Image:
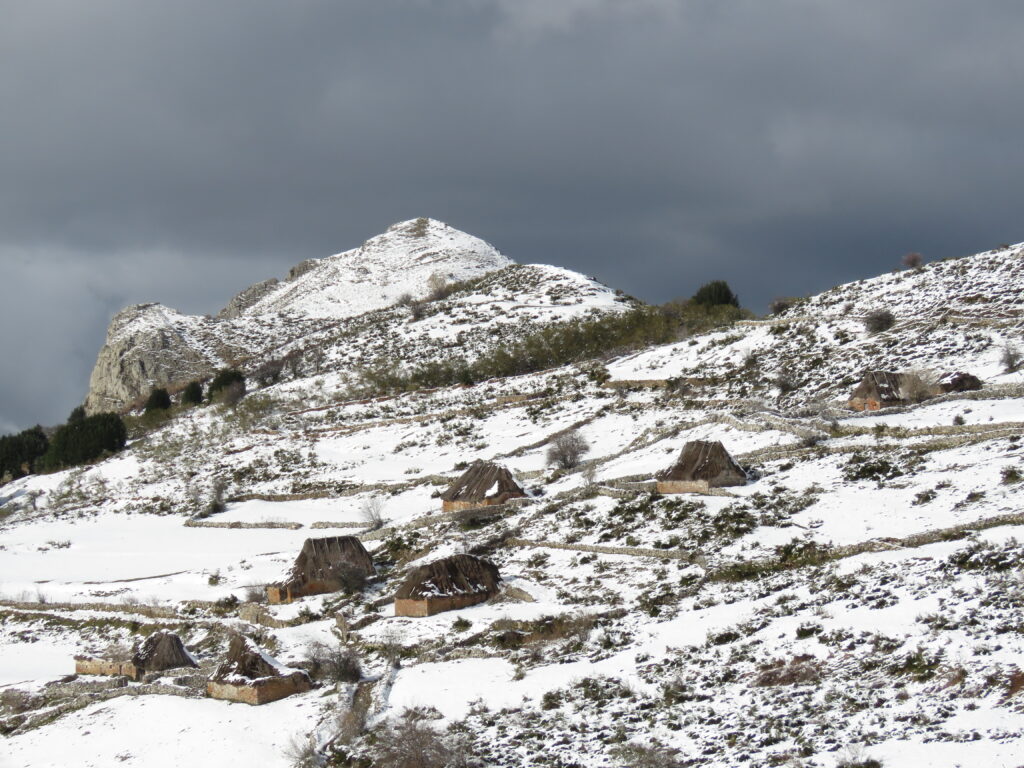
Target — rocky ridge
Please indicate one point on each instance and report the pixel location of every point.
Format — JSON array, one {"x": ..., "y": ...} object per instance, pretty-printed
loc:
[{"x": 343, "y": 310}]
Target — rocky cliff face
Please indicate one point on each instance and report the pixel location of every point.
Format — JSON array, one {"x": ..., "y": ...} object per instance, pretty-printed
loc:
[
  {"x": 151, "y": 345},
  {"x": 342, "y": 311}
]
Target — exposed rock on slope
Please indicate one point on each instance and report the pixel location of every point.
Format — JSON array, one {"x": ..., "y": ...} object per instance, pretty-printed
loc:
[{"x": 339, "y": 308}]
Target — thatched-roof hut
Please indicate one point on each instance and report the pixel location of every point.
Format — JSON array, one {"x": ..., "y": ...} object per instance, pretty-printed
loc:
[
  {"x": 252, "y": 676},
  {"x": 702, "y": 465},
  {"x": 447, "y": 584},
  {"x": 324, "y": 565},
  {"x": 161, "y": 651},
  {"x": 482, "y": 485},
  {"x": 958, "y": 381},
  {"x": 878, "y": 389}
]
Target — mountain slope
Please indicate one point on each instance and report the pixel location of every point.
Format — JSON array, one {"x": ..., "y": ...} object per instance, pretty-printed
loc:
[
  {"x": 343, "y": 310},
  {"x": 858, "y": 600}
]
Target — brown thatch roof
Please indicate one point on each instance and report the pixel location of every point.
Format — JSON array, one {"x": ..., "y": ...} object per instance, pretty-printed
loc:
[
  {"x": 958, "y": 381},
  {"x": 327, "y": 559},
  {"x": 162, "y": 650},
  {"x": 246, "y": 663},
  {"x": 450, "y": 576},
  {"x": 484, "y": 481},
  {"x": 705, "y": 460},
  {"x": 883, "y": 386}
]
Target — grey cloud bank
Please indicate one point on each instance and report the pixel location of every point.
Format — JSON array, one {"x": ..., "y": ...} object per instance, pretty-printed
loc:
[{"x": 178, "y": 152}]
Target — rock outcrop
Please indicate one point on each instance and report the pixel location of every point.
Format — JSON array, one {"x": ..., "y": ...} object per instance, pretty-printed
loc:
[{"x": 344, "y": 312}]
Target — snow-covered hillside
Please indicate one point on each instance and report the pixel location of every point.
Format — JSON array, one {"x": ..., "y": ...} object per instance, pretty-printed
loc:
[
  {"x": 350, "y": 310},
  {"x": 858, "y": 600}
]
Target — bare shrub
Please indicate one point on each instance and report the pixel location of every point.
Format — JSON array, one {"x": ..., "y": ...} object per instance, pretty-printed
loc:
[
  {"x": 785, "y": 382},
  {"x": 590, "y": 474},
  {"x": 1011, "y": 358},
  {"x": 255, "y": 593},
  {"x": 913, "y": 260},
  {"x": 796, "y": 671},
  {"x": 302, "y": 753},
  {"x": 405, "y": 300},
  {"x": 371, "y": 512},
  {"x": 269, "y": 372},
  {"x": 350, "y": 724},
  {"x": 854, "y": 757},
  {"x": 417, "y": 310},
  {"x": 778, "y": 306},
  {"x": 438, "y": 287},
  {"x": 917, "y": 386},
  {"x": 567, "y": 450},
  {"x": 392, "y": 644},
  {"x": 646, "y": 756},
  {"x": 409, "y": 742},
  {"x": 216, "y": 499},
  {"x": 334, "y": 663},
  {"x": 878, "y": 320}
]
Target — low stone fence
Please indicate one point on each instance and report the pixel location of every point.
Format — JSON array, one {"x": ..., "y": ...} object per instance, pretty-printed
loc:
[
  {"x": 190, "y": 523},
  {"x": 78, "y": 700},
  {"x": 661, "y": 554},
  {"x": 476, "y": 513}
]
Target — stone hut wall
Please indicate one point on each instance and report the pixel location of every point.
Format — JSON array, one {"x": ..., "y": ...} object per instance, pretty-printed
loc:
[
  {"x": 682, "y": 486},
  {"x": 105, "y": 667},
  {"x": 459, "y": 506},
  {"x": 429, "y": 606},
  {"x": 262, "y": 692}
]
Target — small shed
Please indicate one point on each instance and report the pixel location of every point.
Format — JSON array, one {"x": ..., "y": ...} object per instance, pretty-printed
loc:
[
  {"x": 323, "y": 565},
  {"x": 447, "y": 584},
  {"x": 252, "y": 676},
  {"x": 161, "y": 651},
  {"x": 483, "y": 484},
  {"x": 878, "y": 389},
  {"x": 702, "y": 465}
]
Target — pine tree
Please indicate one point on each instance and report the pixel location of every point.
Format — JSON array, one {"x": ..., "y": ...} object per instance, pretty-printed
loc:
[
  {"x": 193, "y": 394},
  {"x": 715, "y": 293},
  {"x": 158, "y": 400},
  {"x": 225, "y": 379}
]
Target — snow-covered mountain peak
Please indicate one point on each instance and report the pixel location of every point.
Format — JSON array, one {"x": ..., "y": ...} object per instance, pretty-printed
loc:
[{"x": 401, "y": 260}]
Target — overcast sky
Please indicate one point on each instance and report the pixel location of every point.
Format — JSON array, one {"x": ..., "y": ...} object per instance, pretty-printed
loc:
[{"x": 178, "y": 151}]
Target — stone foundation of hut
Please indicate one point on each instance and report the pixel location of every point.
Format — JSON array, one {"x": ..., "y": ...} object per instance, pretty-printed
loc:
[
  {"x": 682, "y": 486},
  {"x": 88, "y": 665},
  {"x": 428, "y": 606},
  {"x": 259, "y": 691}
]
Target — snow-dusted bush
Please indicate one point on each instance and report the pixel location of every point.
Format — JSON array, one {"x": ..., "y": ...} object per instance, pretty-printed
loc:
[
  {"x": 917, "y": 386},
  {"x": 913, "y": 260},
  {"x": 567, "y": 451},
  {"x": 334, "y": 663},
  {"x": 409, "y": 742},
  {"x": 1011, "y": 358},
  {"x": 878, "y": 320}
]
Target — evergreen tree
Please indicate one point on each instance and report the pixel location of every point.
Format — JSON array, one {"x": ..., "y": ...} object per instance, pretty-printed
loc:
[
  {"x": 193, "y": 394},
  {"x": 20, "y": 453},
  {"x": 158, "y": 400},
  {"x": 223, "y": 380},
  {"x": 84, "y": 440},
  {"x": 715, "y": 293}
]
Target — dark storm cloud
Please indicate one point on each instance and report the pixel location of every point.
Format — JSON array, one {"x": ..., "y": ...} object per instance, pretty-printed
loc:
[{"x": 180, "y": 151}]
